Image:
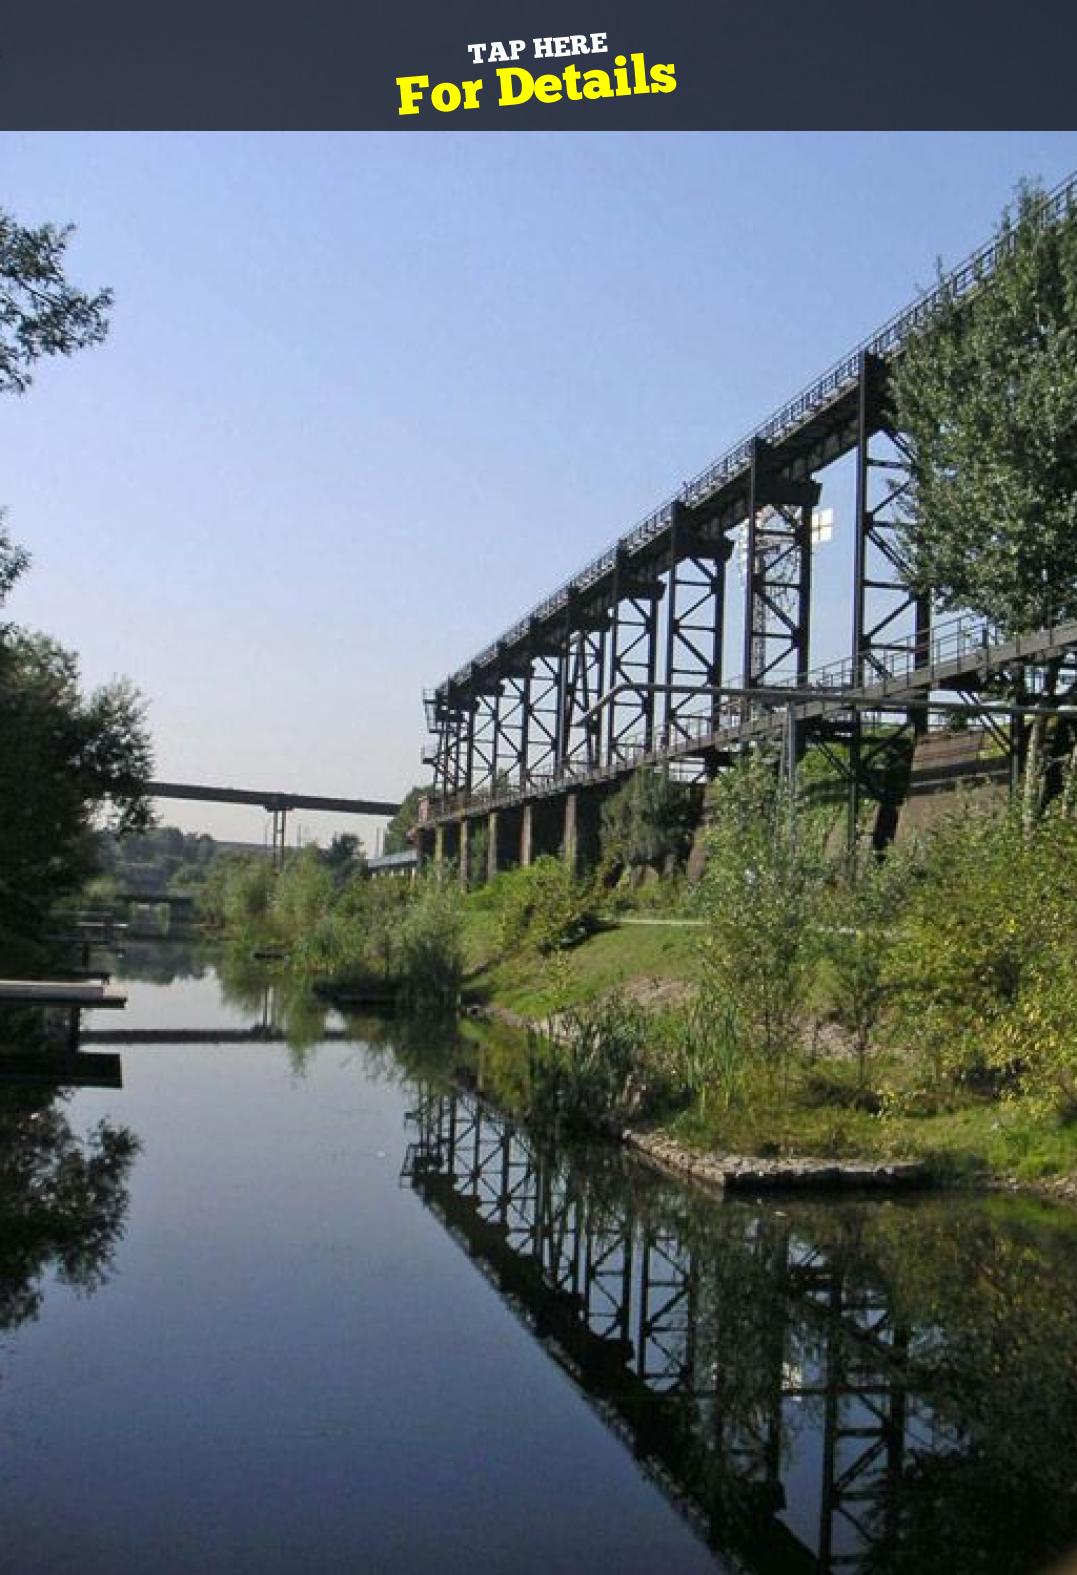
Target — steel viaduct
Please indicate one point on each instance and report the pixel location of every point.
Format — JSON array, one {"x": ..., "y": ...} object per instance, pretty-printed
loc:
[{"x": 626, "y": 662}]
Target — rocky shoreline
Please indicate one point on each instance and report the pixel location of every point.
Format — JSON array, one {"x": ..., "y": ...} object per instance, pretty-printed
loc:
[{"x": 751, "y": 1173}]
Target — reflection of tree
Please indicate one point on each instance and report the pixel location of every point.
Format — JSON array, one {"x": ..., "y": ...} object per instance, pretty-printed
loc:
[
  {"x": 161, "y": 961},
  {"x": 991, "y": 1298},
  {"x": 973, "y": 1335},
  {"x": 276, "y": 999},
  {"x": 63, "y": 1199}
]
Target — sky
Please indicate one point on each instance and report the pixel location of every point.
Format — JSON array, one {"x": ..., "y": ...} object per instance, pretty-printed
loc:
[{"x": 367, "y": 398}]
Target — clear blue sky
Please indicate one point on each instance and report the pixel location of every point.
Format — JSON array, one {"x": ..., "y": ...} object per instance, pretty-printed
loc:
[{"x": 366, "y": 398}]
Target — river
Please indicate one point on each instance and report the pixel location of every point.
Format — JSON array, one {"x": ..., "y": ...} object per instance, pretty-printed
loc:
[{"x": 315, "y": 1303}]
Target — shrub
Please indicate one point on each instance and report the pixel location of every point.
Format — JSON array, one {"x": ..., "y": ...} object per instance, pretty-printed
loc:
[
  {"x": 430, "y": 950},
  {"x": 648, "y": 823},
  {"x": 597, "y": 1064},
  {"x": 303, "y": 894},
  {"x": 237, "y": 894},
  {"x": 544, "y": 905},
  {"x": 611, "y": 1061},
  {"x": 963, "y": 946},
  {"x": 761, "y": 897},
  {"x": 859, "y": 921}
]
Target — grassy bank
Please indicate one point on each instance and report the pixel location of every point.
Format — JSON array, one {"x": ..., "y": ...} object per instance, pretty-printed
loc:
[
  {"x": 632, "y": 956},
  {"x": 793, "y": 1001},
  {"x": 820, "y": 1109},
  {"x": 965, "y": 1137}
]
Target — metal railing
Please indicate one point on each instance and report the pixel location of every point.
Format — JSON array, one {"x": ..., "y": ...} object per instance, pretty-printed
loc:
[
  {"x": 911, "y": 663},
  {"x": 960, "y": 283}
]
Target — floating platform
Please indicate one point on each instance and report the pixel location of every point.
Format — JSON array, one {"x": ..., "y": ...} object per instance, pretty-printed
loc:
[{"x": 76, "y": 993}]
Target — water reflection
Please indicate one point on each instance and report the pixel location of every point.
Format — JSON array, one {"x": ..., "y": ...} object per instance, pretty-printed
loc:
[
  {"x": 852, "y": 1386},
  {"x": 160, "y": 961},
  {"x": 63, "y": 1199},
  {"x": 282, "y": 1004}
]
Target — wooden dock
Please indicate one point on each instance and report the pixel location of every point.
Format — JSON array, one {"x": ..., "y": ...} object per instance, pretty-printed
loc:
[
  {"x": 60, "y": 1068},
  {"x": 75, "y": 996}
]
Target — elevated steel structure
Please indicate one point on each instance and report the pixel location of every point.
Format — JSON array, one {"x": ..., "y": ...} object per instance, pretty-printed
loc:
[{"x": 624, "y": 661}]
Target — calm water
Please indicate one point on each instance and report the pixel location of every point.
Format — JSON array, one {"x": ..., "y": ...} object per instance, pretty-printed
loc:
[{"x": 315, "y": 1306}]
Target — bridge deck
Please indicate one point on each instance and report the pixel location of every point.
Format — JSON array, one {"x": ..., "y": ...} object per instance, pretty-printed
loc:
[{"x": 272, "y": 799}]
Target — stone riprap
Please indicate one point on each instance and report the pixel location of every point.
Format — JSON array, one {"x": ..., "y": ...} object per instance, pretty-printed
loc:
[{"x": 751, "y": 1173}]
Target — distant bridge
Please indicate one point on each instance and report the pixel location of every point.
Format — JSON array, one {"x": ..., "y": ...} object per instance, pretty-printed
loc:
[
  {"x": 275, "y": 800},
  {"x": 625, "y": 664},
  {"x": 277, "y": 803}
]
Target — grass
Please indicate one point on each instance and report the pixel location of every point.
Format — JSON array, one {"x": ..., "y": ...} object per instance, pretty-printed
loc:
[
  {"x": 969, "y": 1137},
  {"x": 534, "y": 986}
]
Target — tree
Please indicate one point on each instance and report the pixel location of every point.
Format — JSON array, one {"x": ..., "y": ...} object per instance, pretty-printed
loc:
[
  {"x": 344, "y": 857},
  {"x": 396, "y": 832},
  {"x": 70, "y": 764},
  {"x": 857, "y": 941},
  {"x": 63, "y": 1201},
  {"x": 649, "y": 822},
  {"x": 986, "y": 395},
  {"x": 41, "y": 314},
  {"x": 760, "y": 897}
]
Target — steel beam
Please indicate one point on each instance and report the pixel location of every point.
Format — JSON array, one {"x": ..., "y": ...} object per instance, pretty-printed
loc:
[
  {"x": 777, "y": 609},
  {"x": 695, "y": 623}
]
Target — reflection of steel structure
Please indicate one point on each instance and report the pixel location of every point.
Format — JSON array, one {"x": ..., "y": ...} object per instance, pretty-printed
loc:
[{"x": 725, "y": 1371}]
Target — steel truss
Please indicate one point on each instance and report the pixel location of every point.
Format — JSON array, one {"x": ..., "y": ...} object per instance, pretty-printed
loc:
[
  {"x": 889, "y": 611},
  {"x": 584, "y": 679},
  {"x": 695, "y": 625},
  {"x": 650, "y": 611},
  {"x": 513, "y": 724},
  {"x": 545, "y": 713},
  {"x": 777, "y": 612},
  {"x": 484, "y": 738},
  {"x": 633, "y": 658}
]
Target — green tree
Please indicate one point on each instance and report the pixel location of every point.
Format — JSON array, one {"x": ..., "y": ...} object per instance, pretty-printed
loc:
[
  {"x": 70, "y": 764},
  {"x": 760, "y": 897},
  {"x": 431, "y": 947},
  {"x": 302, "y": 894},
  {"x": 648, "y": 823},
  {"x": 344, "y": 857},
  {"x": 984, "y": 962},
  {"x": 237, "y": 895},
  {"x": 41, "y": 314},
  {"x": 396, "y": 832},
  {"x": 857, "y": 940},
  {"x": 986, "y": 394},
  {"x": 543, "y": 905}
]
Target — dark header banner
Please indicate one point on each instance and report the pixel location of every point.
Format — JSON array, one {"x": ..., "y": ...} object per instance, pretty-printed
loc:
[{"x": 588, "y": 65}]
